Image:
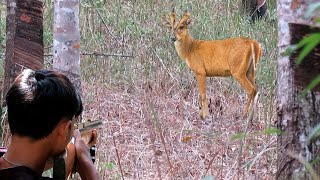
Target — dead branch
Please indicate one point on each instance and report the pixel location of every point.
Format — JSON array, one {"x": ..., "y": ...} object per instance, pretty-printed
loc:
[{"x": 101, "y": 54}]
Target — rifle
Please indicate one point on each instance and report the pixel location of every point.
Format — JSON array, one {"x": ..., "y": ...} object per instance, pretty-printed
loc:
[{"x": 84, "y": 128}]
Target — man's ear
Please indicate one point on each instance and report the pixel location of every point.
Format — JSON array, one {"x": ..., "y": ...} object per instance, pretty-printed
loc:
[{"x": 63, "y": 127}]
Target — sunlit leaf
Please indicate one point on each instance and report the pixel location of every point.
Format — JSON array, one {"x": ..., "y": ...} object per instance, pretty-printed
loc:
[
  {"x": 238, "y": 136},
  {"x": 308, "y": 43},
  {"x": 111, "y": 165},
  {"x": 186, "y": 139},
  {"x": 314, "y": 133},
  {"x": 311, "y": 85},
  {"x": 270, "y": 131}
]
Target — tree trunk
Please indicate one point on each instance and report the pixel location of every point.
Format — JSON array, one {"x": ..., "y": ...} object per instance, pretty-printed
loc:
[
  {"x": 296, "y": 116},
  {"x": 255, "y": 9},
  {"x": 24, "y": 45},
  {"x": 66, "y": 40}
]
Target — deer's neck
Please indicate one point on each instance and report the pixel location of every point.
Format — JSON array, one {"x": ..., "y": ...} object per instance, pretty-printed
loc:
[{"x": 184, "y": 46}]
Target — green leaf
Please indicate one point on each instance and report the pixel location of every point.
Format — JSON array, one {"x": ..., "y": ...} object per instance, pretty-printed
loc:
[
  {"x": 248, "y": 165},
  {"x": 238, "y": 136},
  {"x": 270, "y": 131},
  {"x": 313, "y": 84},
  {"x": 314, "y": 133},
  {"x": 208, "y": 178},
  {"x": 309, "y": 44},
  {"x": 289, "y": 50},
  {"x": 315, "y": 160},
  {"x": 111, "y": 165}
]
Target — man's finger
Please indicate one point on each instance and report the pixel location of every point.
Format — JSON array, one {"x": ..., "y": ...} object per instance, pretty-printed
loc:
[
  {"x": 93, "y": 139},
  {"x": 76, "y": 134}
]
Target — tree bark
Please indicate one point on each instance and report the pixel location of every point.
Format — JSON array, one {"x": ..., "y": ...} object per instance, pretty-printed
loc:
[
  {"x": 296, "y": 116},
  {"x": 24, "y": 45},
  {"x": 66, "y": 40}
]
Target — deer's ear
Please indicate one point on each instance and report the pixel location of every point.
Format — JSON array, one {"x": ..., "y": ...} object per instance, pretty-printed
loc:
[
  {"x": 188, "y": 22},
  {"x": 165, "y": 22}
]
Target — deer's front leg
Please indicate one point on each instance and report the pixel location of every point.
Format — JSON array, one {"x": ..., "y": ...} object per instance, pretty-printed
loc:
[{"x": 202, "y": 89}]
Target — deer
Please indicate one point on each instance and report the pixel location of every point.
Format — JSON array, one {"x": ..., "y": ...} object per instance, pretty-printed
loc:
[{"x": 237, "y": 57}]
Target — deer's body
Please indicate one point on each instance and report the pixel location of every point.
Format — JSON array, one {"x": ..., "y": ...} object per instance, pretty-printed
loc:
[
  {"x": 237, "y": 57},
  {"x": 217, "y": 57}
]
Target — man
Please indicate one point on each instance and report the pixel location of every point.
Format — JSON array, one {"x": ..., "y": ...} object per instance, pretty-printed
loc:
[{"x": 42, "y": 109}]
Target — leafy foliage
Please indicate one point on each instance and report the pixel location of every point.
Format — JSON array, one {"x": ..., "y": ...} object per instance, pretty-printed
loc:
[{"x": 306, "y": 45}]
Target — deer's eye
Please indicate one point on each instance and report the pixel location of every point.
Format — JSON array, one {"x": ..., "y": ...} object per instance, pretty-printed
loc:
[{"x": 180, "y": 28}]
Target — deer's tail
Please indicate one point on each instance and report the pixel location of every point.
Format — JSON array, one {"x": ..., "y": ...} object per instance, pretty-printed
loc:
[
  {"x": 256, "y": 53},
  {"x": 253, "y": 55}
]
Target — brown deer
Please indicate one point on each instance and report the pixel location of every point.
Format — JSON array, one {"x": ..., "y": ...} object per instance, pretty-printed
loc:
[{"x": 237, "y": 57}]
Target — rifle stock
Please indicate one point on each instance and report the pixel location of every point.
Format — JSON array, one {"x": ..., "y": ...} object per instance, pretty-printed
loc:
[{"x": 86, "y": 128}]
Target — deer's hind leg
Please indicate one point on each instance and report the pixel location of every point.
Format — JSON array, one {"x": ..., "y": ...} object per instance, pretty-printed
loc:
[
  {"x": 245, "y": 76},
  {"x": 202, "y": 90},
  {"x": 250, "y": 89}
]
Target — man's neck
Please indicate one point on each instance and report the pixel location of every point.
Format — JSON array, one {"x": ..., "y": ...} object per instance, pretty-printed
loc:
[{"x": 25, "y": 152}]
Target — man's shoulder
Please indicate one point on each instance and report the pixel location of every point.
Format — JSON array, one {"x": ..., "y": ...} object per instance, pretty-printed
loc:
[{"x": 19, "y": 173}]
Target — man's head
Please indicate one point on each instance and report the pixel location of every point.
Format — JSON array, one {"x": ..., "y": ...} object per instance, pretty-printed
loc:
[{"x": 39, "y": 101}]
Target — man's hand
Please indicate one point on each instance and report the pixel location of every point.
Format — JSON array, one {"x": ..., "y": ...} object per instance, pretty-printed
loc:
[{"x": 84, "y": 164}]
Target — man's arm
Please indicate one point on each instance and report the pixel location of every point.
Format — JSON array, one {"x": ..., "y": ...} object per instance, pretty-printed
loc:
[{"x": 84, "y": 164}]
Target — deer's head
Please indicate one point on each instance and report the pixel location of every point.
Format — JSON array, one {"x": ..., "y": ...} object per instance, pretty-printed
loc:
[{"x": 179, "y": 29}]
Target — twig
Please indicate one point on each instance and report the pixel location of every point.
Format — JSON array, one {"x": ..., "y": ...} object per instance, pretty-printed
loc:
[
  {"x": 100, "y": 54},
  {"x": 249, "y": 119},
  {"x": 305, "y": 163},
  {"x": 165, "y": 149},
  {"x": 211, "y": 161},
  {"x": 152, "y": 137},
  {"x": 158, "y": 125},
  {"x": 105, "y": 25},
  {"x": 118, "y": 157},
  {"x": 48, "y": 47},
  {"x": 104, "y": 54},
  {"x": 163, "y": 64},
  {"x": 257, "y": 156}
]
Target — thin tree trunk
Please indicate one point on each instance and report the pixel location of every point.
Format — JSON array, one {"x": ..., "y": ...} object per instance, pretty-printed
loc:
[
  {"x": 66, "y": 40},
  {"x": 255, "y": 9},
  {"x": 296, "y": 116}
]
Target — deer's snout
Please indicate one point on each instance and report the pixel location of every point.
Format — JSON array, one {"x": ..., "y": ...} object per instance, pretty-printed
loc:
[{"x": 173, "y": 38}]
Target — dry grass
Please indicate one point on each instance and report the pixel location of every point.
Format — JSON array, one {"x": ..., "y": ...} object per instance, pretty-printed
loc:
[
  {"x": 150, "y": 103},
  {"x": 193, "y": 147}
]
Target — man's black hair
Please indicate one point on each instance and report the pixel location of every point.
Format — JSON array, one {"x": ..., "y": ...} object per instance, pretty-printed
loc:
[{"x": 38, "y": 100}]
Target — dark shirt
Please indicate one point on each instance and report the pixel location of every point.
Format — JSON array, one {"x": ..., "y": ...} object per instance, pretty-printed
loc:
[{"x": 20, "y": 173}]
